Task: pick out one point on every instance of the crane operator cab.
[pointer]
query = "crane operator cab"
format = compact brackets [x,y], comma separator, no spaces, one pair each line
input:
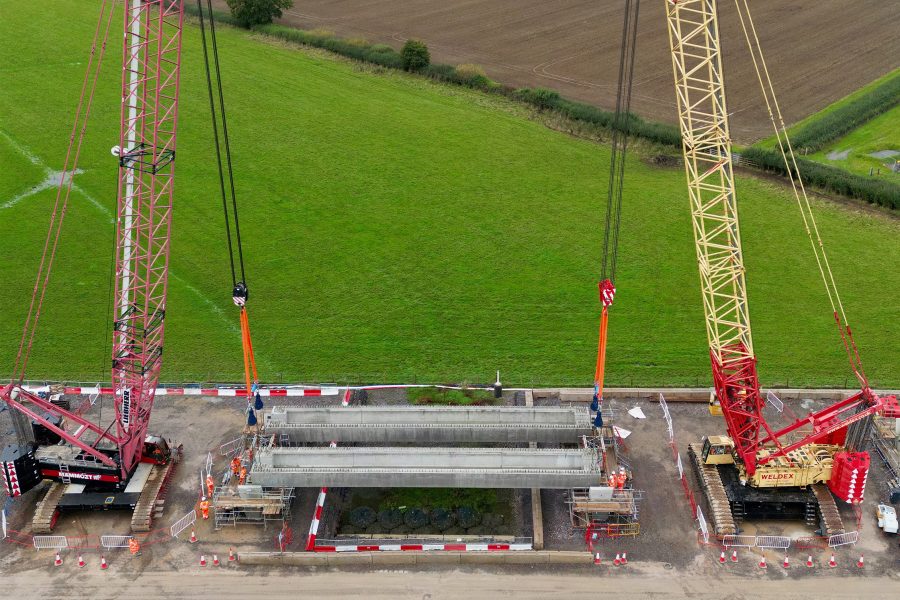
[718,450]
[156,450]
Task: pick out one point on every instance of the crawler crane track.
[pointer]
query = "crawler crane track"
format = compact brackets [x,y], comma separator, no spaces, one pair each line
[828,510]
[714,490]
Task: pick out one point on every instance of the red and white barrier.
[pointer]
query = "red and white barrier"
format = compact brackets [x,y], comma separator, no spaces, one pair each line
[317,517]
[320,501]
[445,547]
[191,391]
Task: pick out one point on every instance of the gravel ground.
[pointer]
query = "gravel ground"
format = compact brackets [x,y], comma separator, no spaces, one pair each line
[668,535]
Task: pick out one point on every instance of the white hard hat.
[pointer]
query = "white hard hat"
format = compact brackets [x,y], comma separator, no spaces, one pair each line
[204,497]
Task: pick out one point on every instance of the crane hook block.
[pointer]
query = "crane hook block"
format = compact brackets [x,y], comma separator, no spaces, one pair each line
[240,294]
[607,292]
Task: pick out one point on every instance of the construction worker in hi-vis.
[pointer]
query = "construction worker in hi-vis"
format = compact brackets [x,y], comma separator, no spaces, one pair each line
[134,547]
[235,466]
[210,485]
[243,475]
[204,507]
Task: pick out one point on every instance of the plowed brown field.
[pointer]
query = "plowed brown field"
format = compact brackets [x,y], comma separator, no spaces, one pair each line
[818,50]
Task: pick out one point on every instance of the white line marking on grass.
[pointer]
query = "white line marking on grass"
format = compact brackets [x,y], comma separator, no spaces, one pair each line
[215,308]
[52,179]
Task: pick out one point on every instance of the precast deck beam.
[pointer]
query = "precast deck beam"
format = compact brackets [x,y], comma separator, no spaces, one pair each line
[426,467]
[429,424]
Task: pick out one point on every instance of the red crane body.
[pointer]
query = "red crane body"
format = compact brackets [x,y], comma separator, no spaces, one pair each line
[146,161]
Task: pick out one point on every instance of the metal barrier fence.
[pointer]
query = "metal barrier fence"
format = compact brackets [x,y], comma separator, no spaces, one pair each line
[114,541]
[412,539]
[611,530]
[773,541]
[228,448]
[704,528]
[668,417]
[775,401]
[680,467]
[183,523]
[842,539]
[48,542]
[738,541]
[3,519]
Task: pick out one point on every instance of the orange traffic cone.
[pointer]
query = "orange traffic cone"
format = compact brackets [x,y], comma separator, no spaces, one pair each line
[202,561]
[722,557]
[624,560]
[831,561]
[103,565]
[762,562]
[861,562]
[618,559]
[231,556]
[215,560]
[193,539]
[786,564]
[734,556]
[597,559]
[58,560]
[80,561]
[809,562]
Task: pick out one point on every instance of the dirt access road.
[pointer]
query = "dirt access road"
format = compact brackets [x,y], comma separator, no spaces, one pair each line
[818,50]
[427,585]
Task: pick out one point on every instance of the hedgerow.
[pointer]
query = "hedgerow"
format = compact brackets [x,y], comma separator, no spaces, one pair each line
[877,191]
[830,126]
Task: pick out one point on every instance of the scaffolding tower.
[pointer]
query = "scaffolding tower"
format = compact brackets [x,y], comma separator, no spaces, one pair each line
[251,505]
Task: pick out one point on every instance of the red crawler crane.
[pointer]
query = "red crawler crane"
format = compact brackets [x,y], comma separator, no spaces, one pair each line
[120,465]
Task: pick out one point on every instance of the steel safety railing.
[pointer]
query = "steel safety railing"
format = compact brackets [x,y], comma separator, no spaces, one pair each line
[842,539]
[738,541]
[50,542]
[114,541]
[183,523]
[773,541]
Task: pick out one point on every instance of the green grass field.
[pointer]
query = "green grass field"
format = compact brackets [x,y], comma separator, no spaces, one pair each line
[398,230]
[881,133]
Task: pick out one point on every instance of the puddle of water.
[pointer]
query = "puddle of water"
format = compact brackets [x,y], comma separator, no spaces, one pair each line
[839,154]
[885,154]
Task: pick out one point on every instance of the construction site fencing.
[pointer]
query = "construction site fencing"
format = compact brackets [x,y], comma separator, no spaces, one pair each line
[183,523]
[3,520]
[679,465]
[668,418]
[114,541]
[422,540]
[738,541]
[704,528]
[773,541]
[612,530]
[775,401]
[50,542]
[230,448]
[842,539]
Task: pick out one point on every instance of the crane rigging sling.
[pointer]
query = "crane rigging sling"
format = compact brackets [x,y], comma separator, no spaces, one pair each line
[619,147]
[240,291]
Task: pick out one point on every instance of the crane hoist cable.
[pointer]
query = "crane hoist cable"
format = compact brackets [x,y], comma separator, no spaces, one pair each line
[619,148]
[799,190]
[240,291]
